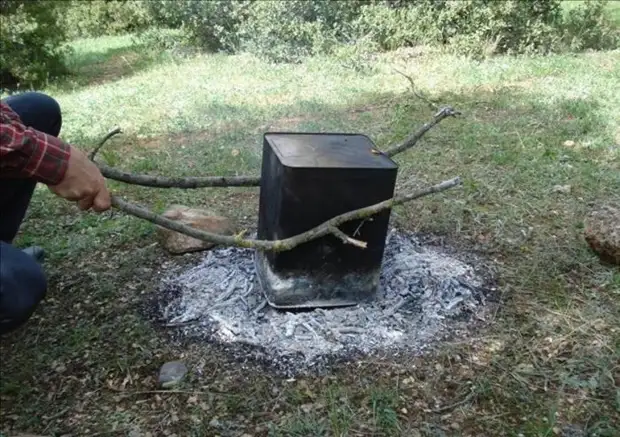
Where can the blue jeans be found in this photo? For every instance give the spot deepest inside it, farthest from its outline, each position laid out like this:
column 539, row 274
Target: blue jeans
column 23, row 283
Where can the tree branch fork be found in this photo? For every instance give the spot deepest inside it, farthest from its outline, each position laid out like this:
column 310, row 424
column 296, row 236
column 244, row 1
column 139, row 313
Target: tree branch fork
column 329, row 227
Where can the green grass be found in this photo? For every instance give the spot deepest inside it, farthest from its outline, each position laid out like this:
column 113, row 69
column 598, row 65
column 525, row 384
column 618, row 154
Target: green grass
column 547, row 359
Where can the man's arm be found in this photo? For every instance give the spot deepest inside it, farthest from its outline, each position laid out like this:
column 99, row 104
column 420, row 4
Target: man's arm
column 28, row 153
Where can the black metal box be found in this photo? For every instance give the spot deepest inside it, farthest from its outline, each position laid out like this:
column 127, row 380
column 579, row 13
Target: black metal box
column 307, row 179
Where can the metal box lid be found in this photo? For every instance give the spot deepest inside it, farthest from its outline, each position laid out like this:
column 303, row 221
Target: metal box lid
column 327, row 150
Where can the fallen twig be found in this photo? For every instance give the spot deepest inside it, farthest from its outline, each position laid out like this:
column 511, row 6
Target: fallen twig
column 463, row 401
column 415, row 92
column 180, row 324
column 287, row 243
column 123, row 429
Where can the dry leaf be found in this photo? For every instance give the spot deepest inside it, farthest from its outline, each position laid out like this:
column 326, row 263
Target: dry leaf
column 564, row 189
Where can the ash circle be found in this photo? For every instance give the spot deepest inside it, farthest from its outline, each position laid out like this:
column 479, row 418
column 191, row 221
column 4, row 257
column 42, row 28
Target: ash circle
column 423, row 292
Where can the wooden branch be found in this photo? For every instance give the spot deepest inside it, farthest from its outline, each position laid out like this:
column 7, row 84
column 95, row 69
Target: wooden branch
column 414, row 138
column 415, row 92
column 168, row 182
column 177, row 182
column 288, row 243
column 235, row 181
column 346, row 239
column 92, row 154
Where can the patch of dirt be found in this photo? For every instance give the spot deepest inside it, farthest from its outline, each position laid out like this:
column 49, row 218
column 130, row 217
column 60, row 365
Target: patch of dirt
column 112, row 68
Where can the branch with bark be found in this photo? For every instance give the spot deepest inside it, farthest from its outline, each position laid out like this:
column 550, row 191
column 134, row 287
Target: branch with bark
column 413, row 139
column 330, row 227
column 190, row 182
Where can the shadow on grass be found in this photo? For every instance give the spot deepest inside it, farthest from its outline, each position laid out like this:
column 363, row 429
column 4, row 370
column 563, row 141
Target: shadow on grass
column 510, row 149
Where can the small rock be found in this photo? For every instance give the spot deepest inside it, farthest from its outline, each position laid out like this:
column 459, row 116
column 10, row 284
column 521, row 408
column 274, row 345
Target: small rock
column 214, row 423
column 569, row 143
column 602, row 232
column 564, row 189
column 201, row 219
column 171, row 374
column 572, row 431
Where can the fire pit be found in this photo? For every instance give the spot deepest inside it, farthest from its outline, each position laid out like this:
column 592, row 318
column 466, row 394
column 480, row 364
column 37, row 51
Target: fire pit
column 308, row 178
column 393, row 295
column 425, row 293
column 363, row 290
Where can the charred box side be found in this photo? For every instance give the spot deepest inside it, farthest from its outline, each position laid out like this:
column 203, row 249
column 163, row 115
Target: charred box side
column 307, row 179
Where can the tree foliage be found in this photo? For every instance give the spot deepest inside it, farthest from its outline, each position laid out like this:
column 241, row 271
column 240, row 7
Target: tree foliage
column 34, row 32
column 31, row 41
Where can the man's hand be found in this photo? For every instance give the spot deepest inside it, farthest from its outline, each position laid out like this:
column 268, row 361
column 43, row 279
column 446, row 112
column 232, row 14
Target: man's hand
column 83, row 183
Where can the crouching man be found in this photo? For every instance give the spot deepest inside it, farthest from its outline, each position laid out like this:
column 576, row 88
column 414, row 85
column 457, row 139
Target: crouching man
column 31, row 153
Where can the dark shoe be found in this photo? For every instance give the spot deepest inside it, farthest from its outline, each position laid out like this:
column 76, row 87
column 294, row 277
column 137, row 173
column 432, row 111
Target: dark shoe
column 36, row 252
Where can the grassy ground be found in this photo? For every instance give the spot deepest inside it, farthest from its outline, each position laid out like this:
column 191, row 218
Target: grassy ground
column 545, row 364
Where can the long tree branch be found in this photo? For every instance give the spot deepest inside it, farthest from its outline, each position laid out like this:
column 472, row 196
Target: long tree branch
column 411, row 140
column 155, row 181
column 287, row 243
column 177, row 182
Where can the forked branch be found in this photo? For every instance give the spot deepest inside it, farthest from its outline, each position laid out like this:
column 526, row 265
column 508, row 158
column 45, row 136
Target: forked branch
column 325, row 228
column 412, row 140
column 154, row 181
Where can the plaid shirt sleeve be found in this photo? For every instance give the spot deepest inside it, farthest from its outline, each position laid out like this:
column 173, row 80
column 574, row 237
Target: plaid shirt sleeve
column 29, row 153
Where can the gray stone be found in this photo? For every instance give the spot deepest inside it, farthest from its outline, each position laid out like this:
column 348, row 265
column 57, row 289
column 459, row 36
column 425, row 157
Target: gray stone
column 572, row 431
column 171, row 374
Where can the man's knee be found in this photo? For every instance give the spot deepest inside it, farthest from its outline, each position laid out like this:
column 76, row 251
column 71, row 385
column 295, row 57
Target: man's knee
column 37, row 110
column 22, row 287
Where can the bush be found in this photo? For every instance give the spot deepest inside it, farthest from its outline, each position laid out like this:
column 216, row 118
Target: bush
column 391, row 27
column 282, row 31
column 587, row 27
column 31, row 42
column 288, row 31
column 105, row 17
column 359, row 56
column 175, row 41
column 211, row 25
column 468, row 27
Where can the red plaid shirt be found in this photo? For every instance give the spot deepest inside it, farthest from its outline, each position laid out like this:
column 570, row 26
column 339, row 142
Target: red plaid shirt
column 29, row 153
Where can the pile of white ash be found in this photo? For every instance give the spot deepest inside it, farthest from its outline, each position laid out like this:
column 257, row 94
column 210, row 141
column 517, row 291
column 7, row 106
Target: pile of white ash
column 424, row 293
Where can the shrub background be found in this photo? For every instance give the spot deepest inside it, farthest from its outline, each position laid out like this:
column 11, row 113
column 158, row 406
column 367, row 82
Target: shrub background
column 34, row 32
